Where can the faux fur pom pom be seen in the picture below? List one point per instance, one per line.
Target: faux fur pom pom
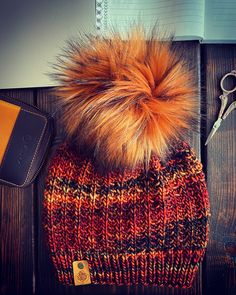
(124, 99)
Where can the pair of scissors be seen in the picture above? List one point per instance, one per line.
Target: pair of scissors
(224, 100)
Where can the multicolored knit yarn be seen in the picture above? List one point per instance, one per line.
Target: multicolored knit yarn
(132, 228)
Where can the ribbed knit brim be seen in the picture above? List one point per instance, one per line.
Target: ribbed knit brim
(172, 268)
(131, 228)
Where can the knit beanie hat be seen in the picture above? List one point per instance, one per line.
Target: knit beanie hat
(125, 199)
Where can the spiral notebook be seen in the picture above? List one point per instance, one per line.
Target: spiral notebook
(209, 21)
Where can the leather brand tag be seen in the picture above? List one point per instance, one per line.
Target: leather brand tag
(81, 273)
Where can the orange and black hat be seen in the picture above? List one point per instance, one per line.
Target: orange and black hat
(125, 199)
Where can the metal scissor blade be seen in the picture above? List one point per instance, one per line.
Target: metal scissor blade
(213, 130)
(211, 134)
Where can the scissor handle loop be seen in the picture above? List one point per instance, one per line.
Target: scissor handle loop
(226, 91)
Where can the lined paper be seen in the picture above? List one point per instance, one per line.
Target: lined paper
(182, 17)
(220, 20)
(206, 20)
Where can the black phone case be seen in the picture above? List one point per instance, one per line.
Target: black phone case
(28, 145)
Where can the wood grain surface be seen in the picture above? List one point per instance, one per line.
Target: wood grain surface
(220, 163)
(25, 266)
(17, 229)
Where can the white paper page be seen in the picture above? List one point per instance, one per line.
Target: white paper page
(183, 17)
(32, 33)
(220, 21)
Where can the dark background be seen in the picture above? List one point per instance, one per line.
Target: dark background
(25, 266)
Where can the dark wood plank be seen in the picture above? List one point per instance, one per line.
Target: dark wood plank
(192, 54)
(46, 282)
(221, 170)
(17, 230)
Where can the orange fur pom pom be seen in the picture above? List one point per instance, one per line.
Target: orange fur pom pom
(125, 99)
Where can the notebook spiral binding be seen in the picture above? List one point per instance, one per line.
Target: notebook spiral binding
(101, 14)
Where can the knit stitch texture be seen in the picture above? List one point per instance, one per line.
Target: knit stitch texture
(133, 227)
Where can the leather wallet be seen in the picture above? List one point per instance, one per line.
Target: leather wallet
(25, 135)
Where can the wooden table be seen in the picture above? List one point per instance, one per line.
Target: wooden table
(25, 264)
